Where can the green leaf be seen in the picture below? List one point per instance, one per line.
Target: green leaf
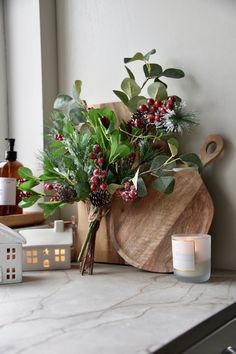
(158, 161)
(76, 90)
(68, 129)
(50, 207)
(141, 187)
(48, 177)
(131, 75)
(77, 116)
(62, 101)
(192, 160)
(152, 70)
(82, 190)
(26, 186)
(173, 73)
(136, 56)
(135, 102)
(28, 202)
(147, 56)
(173, 146)
(25, 172)
(122, 96)
(164, 184)
(130, 87)
(157, 91)
(111, 188)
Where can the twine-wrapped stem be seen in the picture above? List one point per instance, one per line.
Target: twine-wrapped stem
(86, 255)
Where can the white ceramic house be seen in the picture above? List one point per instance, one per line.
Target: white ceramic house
(47, 249)
(10, 255)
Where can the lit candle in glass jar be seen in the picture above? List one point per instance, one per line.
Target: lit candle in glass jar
(191, 257)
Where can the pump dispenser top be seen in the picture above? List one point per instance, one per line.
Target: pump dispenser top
(10, 154)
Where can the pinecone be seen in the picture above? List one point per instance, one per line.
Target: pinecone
(99, 198)
(64, 193)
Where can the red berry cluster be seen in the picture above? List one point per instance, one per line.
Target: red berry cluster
(49, 187)
(23, 194)
(151, 112)
(59, 137)
(129, 192)
(97, 180)
(97, 155)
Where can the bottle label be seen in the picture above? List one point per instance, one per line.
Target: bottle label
(7, 191)
(183, 255)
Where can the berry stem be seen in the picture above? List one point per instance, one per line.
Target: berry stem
(93, 227)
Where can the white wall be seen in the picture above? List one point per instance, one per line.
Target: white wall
(3, 88)
(197, 36)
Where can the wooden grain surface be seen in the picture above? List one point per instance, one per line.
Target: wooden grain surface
(25, 219)
(141, 231)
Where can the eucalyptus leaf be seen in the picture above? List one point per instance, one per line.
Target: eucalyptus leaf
(152, 70)
(135, 102)
(131, 75)
(122, 96)
(173, 146)
(157, 91)
(164, 184)
(141, 187)
(158, 162)
(151, 52)
(77, 116)
(192, 160)
(130, 87)
(76, 90)
(173, 73)
(158, 80)
(62, 101)
(136, 56)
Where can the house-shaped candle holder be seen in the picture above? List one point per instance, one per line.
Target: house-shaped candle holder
(47, 249)
(10, 255)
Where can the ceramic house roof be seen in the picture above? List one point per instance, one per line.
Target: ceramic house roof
(42, 237)
(9, 236)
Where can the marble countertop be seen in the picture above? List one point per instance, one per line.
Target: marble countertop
(117, 310)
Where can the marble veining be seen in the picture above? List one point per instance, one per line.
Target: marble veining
(117, 310)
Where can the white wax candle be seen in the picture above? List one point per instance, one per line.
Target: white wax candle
(191, 257)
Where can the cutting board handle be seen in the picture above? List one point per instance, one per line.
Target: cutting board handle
(206, 155)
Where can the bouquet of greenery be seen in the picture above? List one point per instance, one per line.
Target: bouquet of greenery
(94, 156)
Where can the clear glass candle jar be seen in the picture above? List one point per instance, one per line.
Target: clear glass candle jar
(191, 257)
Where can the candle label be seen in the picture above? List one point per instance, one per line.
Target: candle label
(183, 255)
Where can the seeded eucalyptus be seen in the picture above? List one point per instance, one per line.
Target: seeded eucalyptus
(92, 156)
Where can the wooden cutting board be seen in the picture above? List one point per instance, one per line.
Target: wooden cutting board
(141, 231)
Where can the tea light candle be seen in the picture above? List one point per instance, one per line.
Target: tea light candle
(191, 257)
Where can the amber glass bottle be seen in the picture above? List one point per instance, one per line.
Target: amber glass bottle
(9, 195)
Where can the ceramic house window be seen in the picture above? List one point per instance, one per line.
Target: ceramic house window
(11, 253)
(32, 256)
(60, 255)
(11, 273)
